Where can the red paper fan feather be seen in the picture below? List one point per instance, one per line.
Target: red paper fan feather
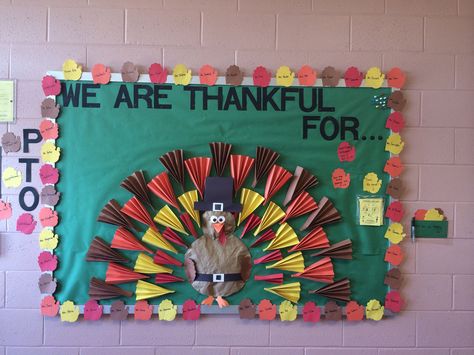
(301, 205)
(173, 237)
(188, 223)
(240, 166)
(161, 258)
(277, 177)
(272, 256)
(251, 223)
(268, 235)
(272, 278)
(220, 156)
(167, 278)
(125, 240)
(161, 186)
(321, 271)
(174, 162)
(316, 239)
(133, 208)
(118, 274)
(265, 160)
(198, 169)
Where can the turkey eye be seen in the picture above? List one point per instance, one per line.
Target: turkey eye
(221, 219)
(213, 219)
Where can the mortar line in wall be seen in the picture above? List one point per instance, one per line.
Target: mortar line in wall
(424, 34)
(276, 31)
(350, 33)
(48, 25)
(452, 291)
(201, 29)
(125, 24)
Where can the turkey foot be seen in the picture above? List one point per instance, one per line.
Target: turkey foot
(221, 302)
(208, 301)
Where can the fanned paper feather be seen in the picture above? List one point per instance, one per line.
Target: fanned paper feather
(250, 201)
(220, 156)
(341, 250)
(161, 186)
(146, 290)
(134, 209)
(272, 256)
(271, 278)
(111, 214)
(277, 177)
(174, 162)
(118, 274)
(198, 170)
(161, 258)
(325, 213)
(301, 205)
(136, 184)
(156, 239)
(99, 250)
(251, 223)
(293, 262)
(100, 290)
(188, 223)
(302, 180)
(145, 265)
(240, 166)
(265, 160)
(187, 200)
(125, 240)
(339, 290)
(167, 218)
(285, 237)
(173, 237)
(321, 271)
(316, 239)
(272, 215)
(266, 236)
(167, 278)
(290, 291)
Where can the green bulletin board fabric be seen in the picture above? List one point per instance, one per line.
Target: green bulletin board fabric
(100, 146)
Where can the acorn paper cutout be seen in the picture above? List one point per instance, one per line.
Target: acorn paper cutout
(171, 236)
(112, 214)
(271, 278)
(339, 290)
(187, 200)
(118, 274)
(288, 311)
(315, 239)
(207, 75)
(353, 77)
(293, 262)
(233, 75)
(11, 143)
(272, 256)
(395, 211)
(277, 177)
(188, 223)
(101, 74)
(50, 85)
(301, 205)
(396, 101)
(49, 108)
(161, 258)
(307, 76)
(72, 70)
(146, 290)
(100, 290)
(164, 278)
(290, 291)
(395, 122)
(118, 310)
(273, 214)
(161, 186)
(285, 237)
(250, 201)
(125, 240)
(302, 180)
(374, 78)
(143, 311)
(145, 265)
(137, 185)
(321, 271)
(134, 209)
(49, 306)
(167, 218)
(252, 222)
(158, 74)
(332, 311)
(261, 76)
(341, 250)
(181, 75)
(394, 167)
(264, 161)
(266, 236)
(396, 78)
(393, 278)
(174, 162)
(284, 76)
(240, 166)
(198, 169)
(220, 156)
(330, 76)
(311, 312)
(326, 213)
(374, 310)
(129, 72)
(100, 251)
(394, 188)
(154, 238)
(394, 255)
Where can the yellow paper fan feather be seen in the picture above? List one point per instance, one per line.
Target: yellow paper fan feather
(272, 215)
(167, 218)
(147, 290)
(187, 201)
(293, 262)
(145, 265)
(285, 237)
(250, 201)
(156, 239)
(290, 291)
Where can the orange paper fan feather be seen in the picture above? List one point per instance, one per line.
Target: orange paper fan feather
(125, 240)
(162, 258)
(316, 239)
(198, 170)
(118, 274)
(321, 271)
(134, 209)
(266, 236)
(277, 177)
(240, 166)
(301, 205)
(252, 222)
(161, 186)
(272, 278)
(272, 256)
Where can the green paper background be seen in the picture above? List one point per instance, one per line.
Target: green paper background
(101, 146)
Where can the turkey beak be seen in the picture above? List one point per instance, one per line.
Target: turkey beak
(218, 227)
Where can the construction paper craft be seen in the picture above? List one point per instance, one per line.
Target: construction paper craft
(395, 211)
(277, 177)
(48, 174)
(125, 240)
(167, 311)
(49, 109)
(420, 214)
(354, 311)
(156, 239)
(157, 73)
(48, 217)
(431, 229)
(332, 311)
(118, 311)
(118, 274)
(171, 236)
(48, 130)
(161, 258)
(374, 310)
(72, 70)
(338, 290)
(272, 215)
(167, 218)
(374, 78)
(49, 306)
(271, 278)
(340, 250)
(394, 167)
(5, 210)
(161, 186)
(261, 76)
(293, 262)
(92, 310)
(143, 310)
(393, 301)
(50, 153)
(285, 237)
(396, 78)
(191, 310)
(265, 160)
(266, 236)
(394, 144)
(145, 265)
(188, 223)
(316, 239)
(220, 156)
(112, 214)
(330, 76)
(240, 166)
(99, 250)
(346, 152)
(288, 311)
(11, 143)
(167, 278)
(11, 177)
(325, 214)
(396, 101)
(434, 214)
(146, 290)
(266, 310)
(47, 284)
(207, 75)
(290, 291)
(393, 278)
(394, 255)
(25, 223)
(48, 239)
(272, 256)
(137, 185)
(284, 76)
(247, 309)
(100, 290)
(50, 85)
(101, 74)
(134, 209)
(251, 223)
(301, 205)
(394, 188)
(250, 201)
(311, 312)
(307, 76)
(372, 183)
(395, 122)
(353, 77)
(233, 75)
(340, 179)
(129, 72)
(302, 180)
(198, 170)
(187, 200)
(371, 211)
(174, 162)
(69, 312)
(395, 233)
(321, 271)
(380, 101)
(181, 75)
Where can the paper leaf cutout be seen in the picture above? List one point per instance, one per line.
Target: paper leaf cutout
(284, 76)
(240, 166)
(396, 78)
(100, 290)
(332, 311)
(393, 301)
(394, 255)
(394, 144)
(395, 211)
(167, 278)
(101, 74)
(285, 237)
(48, 174)
(167, 311)
(48, 239)
(154, 238)
(181, 75)
(354, 311)
(272, 215)
(395, 122)
(129, 72)
(277, 177)
(341, 250)
(321, 271)
(51, 86)
(293, 262)
(268, 235)
(49, 306)
(47, 261)
(290, 291)
(330, 76)
(252, 222)
(316, 239)
(5, 210)
(395, 233)
(394, 167)
(118, 274)
(325, 214)
(49, 108)
(374, 310)
(47, 284)
(161, 258)
(396, 101)
(311, 312)
(374, 78)
(118, 311)
(188, 223)
(207, 75)
(125, 240)
(393, 278)
(12, 143)
(307, 76)
(301, 205)
(272, 256)
(220, 156)
(137, 185)
(161, 186)
(49, 196)
(112, 214)
(25, 223)
(157, 73)
(265, 160)
(198, 169)
(288, 311)
(191, 310)
(92, 310)
(250, 201)
(261, 77)
(187, 200)
(69, 312)
(353, 77)
(272, 278)
(99, 250)
(302, 180)
(146, 290)
(167, 218)
(134, 209)
(339, 290)
(145, 265)
(71, 70)
(247, 309)
(394, 188)
(266, 310)
(174, 162)
(233, 75)
(173, 237)
(11, 178)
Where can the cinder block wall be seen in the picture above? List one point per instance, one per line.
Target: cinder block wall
(432, 40)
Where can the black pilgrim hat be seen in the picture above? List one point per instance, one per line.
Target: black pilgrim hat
(218, 196)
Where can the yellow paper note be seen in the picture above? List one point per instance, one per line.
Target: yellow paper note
(394, 144)
(48, 239)
(374, 78)
(11, 177)
(374, 310)
(371, 211)
(167, 310)
(69, 312)
(50, 153)
(395, 233)
(72, 70)
(7, 97)
(284, 76)
(433, 215)
(181, 74)
(372, 183)
(288, 311)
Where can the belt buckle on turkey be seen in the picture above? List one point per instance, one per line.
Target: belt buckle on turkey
(217, 277)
